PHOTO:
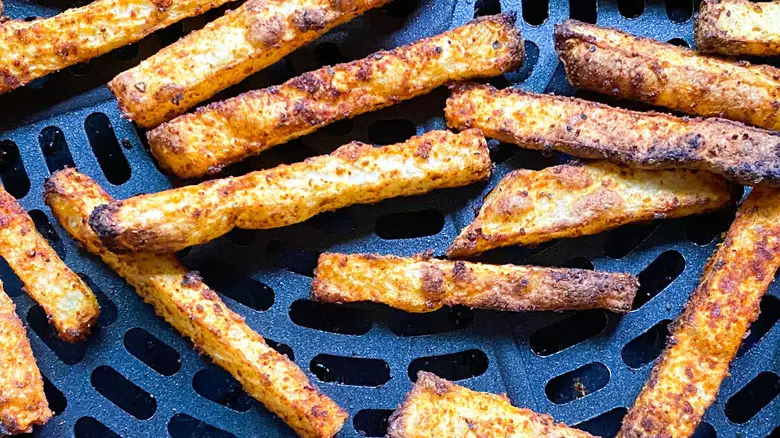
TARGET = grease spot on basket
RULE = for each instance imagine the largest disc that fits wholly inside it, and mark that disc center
(409, 224)
(658, 275)
(770, 313)
(453, 366)
(646, 347)
(334, 318)
(219, 386)
(604, 425)
(354, 371)
(418, 324)
(753, 397)
(68, 353)
(535, 12)
(372, 422)
(577, 383)
(55, 397)
(125, 394)
(12, 172)
(185, 426)
(568, 332)
(106, 148)
(153, 352)
(55, 149)
(89, 427)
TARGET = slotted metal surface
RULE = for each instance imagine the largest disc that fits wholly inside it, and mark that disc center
(182, 394)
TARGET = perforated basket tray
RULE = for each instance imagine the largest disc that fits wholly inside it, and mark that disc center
(138, 377)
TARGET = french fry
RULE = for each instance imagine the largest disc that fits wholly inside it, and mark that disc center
(32, 49)
(586, 129)
(738, 27)
(423, 284)
(68, 302)
(225, 132)
(356, 173)
(22, 401)
(619, 64)
(531, 207)
(706, 337)
(438, 408)
(224, 52)
(197, 312)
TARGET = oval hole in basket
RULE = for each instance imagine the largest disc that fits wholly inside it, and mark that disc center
(583, 10)
(334, 318)
(748, 401)
(705, 430)
(578, 263)
(679, 11)
(353, 371)
(606, 424)
(68, 353)
(679, 42)
(535, 12)
(328, 54)
(88, 427)
(292, 258)
(55, 149)
(340, 127)
(185, 426)
(384, 132)
(646, 347)
(220, 387)
(774, 434)
(281, 348)
(11, 282)
(239, 287)
(500, 152)
(402, 8)
(106, 148)
(44, 227)
(55, 397)
(631, 8)
(122, 392)
(568, 332)
(703, 229)
(409, 224)
(372, 422)
(622, 241)
(577, 383)
(486, 7)
(153, 352)
(770, 313)
(108, 310)
(658, 275)
(295, 151)
(418, 324)
(127, 53)
(12, 172)
(453, 366)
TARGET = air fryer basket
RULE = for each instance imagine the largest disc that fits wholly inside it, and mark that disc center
(136, 376)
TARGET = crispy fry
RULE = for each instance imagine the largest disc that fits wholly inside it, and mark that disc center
(32, 49)
(68, 302)
(706, 337)
(531, 207)
(586, 129)
(619, 64)
(424, 284)
(738, 27)
(356, 173)
(223, 53)
(22, 401)
(226, 132)
(438, 408)
(196, 311)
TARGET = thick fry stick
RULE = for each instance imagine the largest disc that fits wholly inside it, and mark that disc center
(423, 284)
(619, 64)
(31, 49)
(68, 302)
(706, 337)
(531, 207)
(226, 132)
(738, 27)
(356, 173)
(223, 53)
(22, 401)
(196, 311)
(586, 129)
(438, 408)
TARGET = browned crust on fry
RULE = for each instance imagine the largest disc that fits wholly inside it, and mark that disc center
(438, 408)
(68, 302)
(226, 132)
(738, 27)
(619, 64)
(22, 401)
(706, 337)
(356, 173)
(647, 140)
(197, 312)
(193, 69)
(423, 284)
(531, 207)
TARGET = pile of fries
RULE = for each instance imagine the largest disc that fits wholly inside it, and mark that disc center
(632, 167)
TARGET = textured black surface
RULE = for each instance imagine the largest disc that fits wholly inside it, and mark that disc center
(552, 363)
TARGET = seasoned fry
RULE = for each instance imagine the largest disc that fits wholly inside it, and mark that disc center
(424, 284)
(356, 173)
(531, 207)
(22, 401)
(223, 53)
(619, 64)
(586, 129)
(438, 408)
(32, 49)
(226, 132)
(197, 312)
(738, 27)
(706, 337)
(69, 303)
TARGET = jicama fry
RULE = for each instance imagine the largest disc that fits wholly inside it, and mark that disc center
(738, 27)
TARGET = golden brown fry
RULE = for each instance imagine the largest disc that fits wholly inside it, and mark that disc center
(356, 173)
(22, 401)
(68, 302)
(531, 207)
(586, 129)
(226, 132)
(706, 337)
(32, 49)
(622, 65)
(438, 408)
(424, 284)
(196, 311)
(223, 53)
(738, 27)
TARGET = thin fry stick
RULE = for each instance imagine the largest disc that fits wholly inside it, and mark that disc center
(738, 27)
